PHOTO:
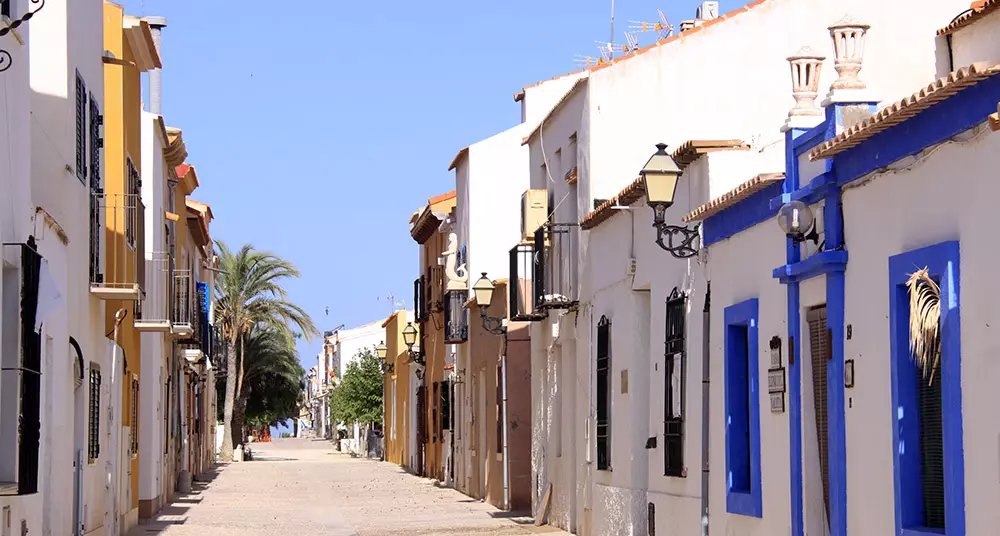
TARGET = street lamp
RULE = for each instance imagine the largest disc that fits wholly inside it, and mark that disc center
(659, 177)
(483, 291)
(382, 351)
(797, 221)
(410, 338)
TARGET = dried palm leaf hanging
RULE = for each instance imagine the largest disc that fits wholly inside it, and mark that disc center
(925, 322)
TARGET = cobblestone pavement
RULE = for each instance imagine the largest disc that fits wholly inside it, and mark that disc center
(301, 487)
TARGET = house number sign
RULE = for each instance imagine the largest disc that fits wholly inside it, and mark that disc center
(776, 377)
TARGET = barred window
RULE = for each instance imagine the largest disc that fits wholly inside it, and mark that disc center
(94, 408)
(132, 202)
(81, 129)
(96, 143)
(604, 394)
(674, 354)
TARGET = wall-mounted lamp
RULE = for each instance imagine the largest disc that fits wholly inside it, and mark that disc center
(483, 290)
(797, 221)
(420, 373)
(410, 338)
(659, 177)
(382, 351)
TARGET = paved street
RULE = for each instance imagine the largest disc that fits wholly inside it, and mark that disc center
(302, 487)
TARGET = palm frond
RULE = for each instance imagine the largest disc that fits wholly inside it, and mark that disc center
(925, 322)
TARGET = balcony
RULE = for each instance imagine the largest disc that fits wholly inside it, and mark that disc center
(184, 318)
(153, 310)
(456, 317)
(554, 257)
(120, 246)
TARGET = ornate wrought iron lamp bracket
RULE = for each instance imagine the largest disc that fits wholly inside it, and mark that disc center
(493, 325)
(5, 58)
(680, 241)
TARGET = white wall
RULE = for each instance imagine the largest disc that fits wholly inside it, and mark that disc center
(352, 341)
(539, 98)
(714, 85)
(954, 189)
(977, 42)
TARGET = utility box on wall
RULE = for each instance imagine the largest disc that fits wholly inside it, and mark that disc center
(534, 212)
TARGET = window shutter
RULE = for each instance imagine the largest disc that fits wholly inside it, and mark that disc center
(674, 370)
(421, 415)
(81, 129)
(446, 405)
(29, 430)
(931, 449)
(538, 269)
(603, 394)
(821, 352)
(134, 428)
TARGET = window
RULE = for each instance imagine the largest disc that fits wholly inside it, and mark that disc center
(446, 405)
(820, 350)
(456, 317)
(674, 377)
(421, 415)
(132, 203)
(81, 129)
(419, 290)
(20, 405)
(604, 394)
(742, 406)
(96, 143)
(929, 469)
(94, 409)
(166, 421)
(134, 425)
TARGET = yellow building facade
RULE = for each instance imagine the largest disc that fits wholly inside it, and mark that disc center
(396, 392)
(132, 52)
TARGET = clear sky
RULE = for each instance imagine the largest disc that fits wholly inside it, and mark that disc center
(318, 127)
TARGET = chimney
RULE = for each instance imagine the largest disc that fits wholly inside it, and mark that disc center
(156, 24)
(849, 47)
(806, 66)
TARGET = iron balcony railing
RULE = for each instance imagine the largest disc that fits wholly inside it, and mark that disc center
(456, 317)
(555, 265)
(184, 318)
(153, 311)
(118, 267)
(522, 290)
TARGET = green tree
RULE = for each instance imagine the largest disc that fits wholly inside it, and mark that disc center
(358, 397)
(250, 296)
(274, 380)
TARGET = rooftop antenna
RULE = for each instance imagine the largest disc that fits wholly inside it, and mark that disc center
(611, 39)
(663, 28)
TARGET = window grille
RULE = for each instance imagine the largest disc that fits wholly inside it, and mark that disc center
(94, 408)
(821, 353)
(81, 129)
(134, 425)
(456, 317)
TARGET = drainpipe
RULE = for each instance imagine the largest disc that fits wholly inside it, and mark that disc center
(116, 394)
(506, 454)
(156, 24)
(705, 383)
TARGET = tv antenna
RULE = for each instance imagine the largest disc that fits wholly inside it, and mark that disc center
(663, 29)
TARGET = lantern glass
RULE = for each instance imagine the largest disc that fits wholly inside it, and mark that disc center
(659, 176)
(381, 350)
(796, 219)
(410, 335)
(483, 290)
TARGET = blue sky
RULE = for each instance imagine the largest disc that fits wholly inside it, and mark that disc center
(318, 127)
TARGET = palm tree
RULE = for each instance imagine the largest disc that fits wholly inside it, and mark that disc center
(273, 375)
(249, 295)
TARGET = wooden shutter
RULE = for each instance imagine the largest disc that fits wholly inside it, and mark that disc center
(603, 394)
(96, 143)
(29, 429)
(81, 129)
(821, 353)
(674, 379)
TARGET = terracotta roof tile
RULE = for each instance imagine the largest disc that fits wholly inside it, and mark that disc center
(733, 196)
(645, 49)
(632, 193)
(976, 12)
(685, 155)
(443, 197)
(692, 150)
(905, 109)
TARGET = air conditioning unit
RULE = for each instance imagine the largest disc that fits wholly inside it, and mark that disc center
(534, 212)
(708, 10)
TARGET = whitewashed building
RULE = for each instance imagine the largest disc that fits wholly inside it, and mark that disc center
(633, 422)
